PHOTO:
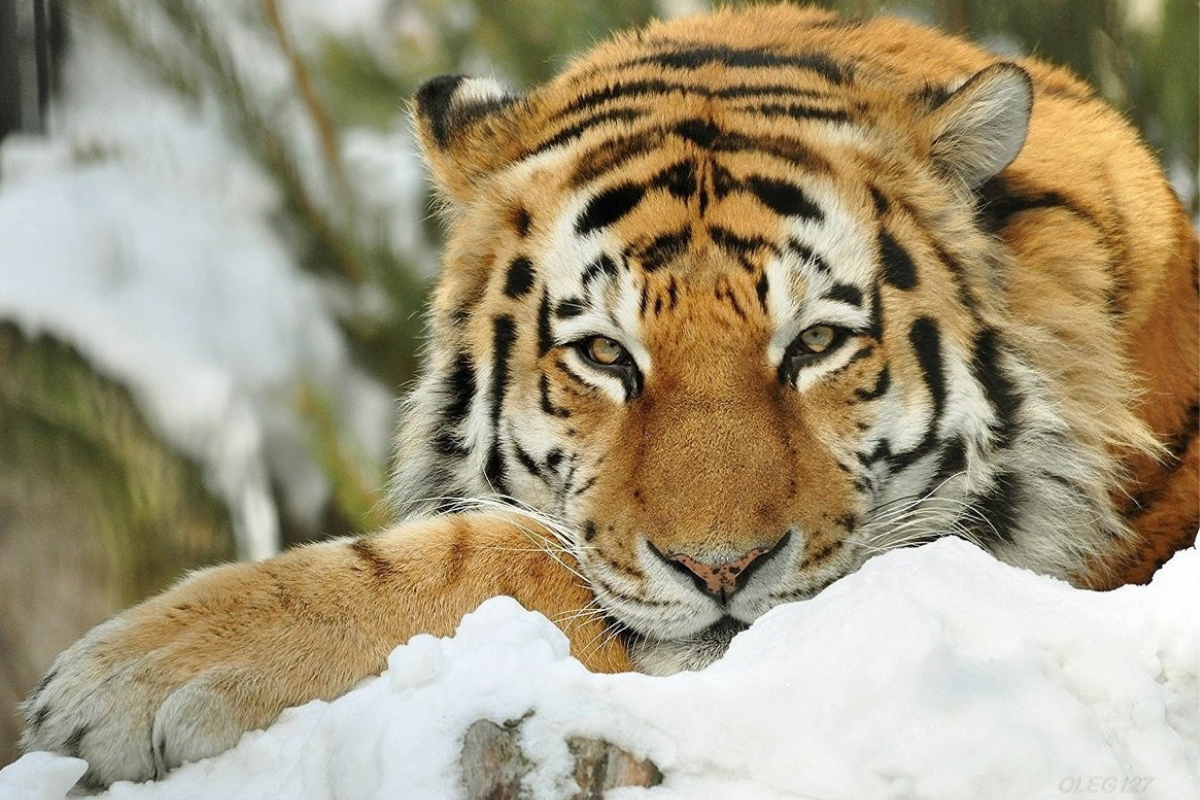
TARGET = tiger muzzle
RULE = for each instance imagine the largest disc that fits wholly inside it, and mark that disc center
(721, 580)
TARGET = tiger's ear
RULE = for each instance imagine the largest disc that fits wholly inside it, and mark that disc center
(980, 128)
(467, 129)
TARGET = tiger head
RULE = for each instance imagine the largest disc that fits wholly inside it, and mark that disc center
(727, 313)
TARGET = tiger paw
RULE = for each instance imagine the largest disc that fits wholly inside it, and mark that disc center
(133, 713)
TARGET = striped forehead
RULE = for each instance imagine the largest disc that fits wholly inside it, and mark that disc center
(682, 214)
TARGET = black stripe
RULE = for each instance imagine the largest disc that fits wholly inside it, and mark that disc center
(522, 221)
(926, 342)
(520, 277)
(448, 443)
(460, 387)
(680, 180)
(662, 249)
(741, 247)
(494, 471)
(997, 385)
(620, 90)
(698, 131)
(761, 288)
(859, 355)
(767, 90)
(528, 462)
(547, 404)
(875, 324)
(999, 507)
(460, 390)
(925, 339)
(41, 687)
(883, 382)
(587, 485)
(1002, 208)
(653, 89)
(608, 207)
(882, 451)
(898, 267)
(723, 182)
(38, 718)
(807, 254)
(797, 111)
(1178, 445)
(784, 198)
(966, 295)
(706, 134)
(504, 334)
(845, 293)
(604, 265)
(723, 292)
(998, 202)
(822, 554)
(951, 462)
(570, 307)
(690, 58)
(836, 22)
(73, 746)
(578, 129)
(880, 200)
(932, 96)
(612, 155)
(545, 339)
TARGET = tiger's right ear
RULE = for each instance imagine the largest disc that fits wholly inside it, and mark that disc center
(467, 129)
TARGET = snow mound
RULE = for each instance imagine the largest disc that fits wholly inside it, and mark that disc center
(931, 673)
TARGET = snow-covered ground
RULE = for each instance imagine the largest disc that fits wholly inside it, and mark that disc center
(932, 673)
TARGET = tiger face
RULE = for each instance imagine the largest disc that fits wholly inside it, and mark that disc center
(732, 316)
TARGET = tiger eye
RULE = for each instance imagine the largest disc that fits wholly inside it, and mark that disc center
(605, 351)
(818, 338)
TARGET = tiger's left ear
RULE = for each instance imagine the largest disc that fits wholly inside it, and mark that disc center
(467, 129)
(980, 128)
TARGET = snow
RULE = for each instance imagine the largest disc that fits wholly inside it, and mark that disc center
(935, 672)
(142, 234)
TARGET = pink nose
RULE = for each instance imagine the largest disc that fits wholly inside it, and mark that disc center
(724, 578)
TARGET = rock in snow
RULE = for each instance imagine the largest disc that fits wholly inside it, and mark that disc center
(935, 672)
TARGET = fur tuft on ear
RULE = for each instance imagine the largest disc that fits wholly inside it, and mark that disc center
(466, 128)
(981, 127)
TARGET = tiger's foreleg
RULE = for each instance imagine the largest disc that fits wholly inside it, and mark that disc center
(183, 675)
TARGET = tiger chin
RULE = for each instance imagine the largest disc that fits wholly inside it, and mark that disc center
(731, 305)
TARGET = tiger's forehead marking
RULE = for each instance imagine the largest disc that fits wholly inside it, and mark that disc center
(617, 254)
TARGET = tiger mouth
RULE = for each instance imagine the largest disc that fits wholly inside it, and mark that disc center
(696, 651)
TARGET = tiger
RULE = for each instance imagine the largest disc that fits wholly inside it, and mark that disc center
(732, 304)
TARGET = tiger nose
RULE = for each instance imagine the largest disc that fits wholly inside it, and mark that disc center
(722, 579)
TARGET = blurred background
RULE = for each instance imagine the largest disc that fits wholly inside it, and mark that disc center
(215, 246)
